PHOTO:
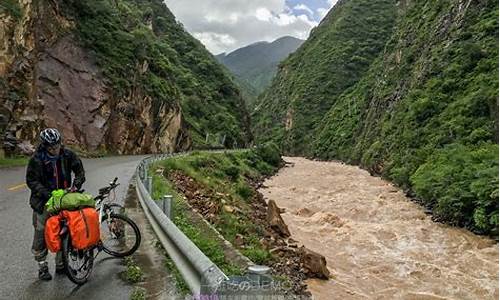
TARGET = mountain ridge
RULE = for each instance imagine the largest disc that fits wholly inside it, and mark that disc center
(256, 64)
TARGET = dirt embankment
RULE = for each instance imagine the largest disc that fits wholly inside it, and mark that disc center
(377, 243)
(288, 259)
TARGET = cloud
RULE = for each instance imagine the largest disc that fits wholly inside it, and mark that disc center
(212, 40)
(304, 8)
(225, 25)
(322, 12)
(331, 3)
(263, 14)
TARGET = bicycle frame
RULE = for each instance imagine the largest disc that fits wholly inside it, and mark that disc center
(101, 209)
(104, 208)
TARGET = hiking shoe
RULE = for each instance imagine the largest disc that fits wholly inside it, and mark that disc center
(60, 269)
(43, 273)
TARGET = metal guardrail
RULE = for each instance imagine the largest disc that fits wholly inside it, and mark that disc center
(199, 272)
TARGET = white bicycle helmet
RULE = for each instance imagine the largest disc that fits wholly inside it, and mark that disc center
(50, 137)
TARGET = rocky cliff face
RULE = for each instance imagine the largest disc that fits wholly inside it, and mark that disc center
(51, 81)
(50, 77)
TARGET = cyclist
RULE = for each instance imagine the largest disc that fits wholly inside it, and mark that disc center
(49, 169)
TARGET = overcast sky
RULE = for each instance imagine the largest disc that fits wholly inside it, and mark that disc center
(225, 25)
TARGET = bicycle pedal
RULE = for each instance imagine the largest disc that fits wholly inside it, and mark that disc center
(100, 246)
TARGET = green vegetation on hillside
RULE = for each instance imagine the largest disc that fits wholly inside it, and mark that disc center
(423, 113)
(203, 240)
(142, 49)
(12, 8)
(336, 55)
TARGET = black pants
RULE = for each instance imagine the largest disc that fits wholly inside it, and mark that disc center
(39, 248)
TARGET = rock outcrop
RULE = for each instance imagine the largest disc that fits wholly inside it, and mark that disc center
(51, 76)
(50, 81)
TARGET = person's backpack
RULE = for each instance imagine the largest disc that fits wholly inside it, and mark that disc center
(62, 200)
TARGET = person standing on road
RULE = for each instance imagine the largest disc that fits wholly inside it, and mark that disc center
(49, 169)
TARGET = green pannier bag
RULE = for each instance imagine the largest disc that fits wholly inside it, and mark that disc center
(62, 200)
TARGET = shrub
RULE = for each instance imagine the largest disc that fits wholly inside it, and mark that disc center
(270, 153)
(11, 7)
(256, 255)
(461, 183)
(233, 172)
(244, 191)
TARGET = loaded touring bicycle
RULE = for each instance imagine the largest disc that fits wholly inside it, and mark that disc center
(83, 231)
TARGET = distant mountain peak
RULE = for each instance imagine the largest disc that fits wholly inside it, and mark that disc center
(256, 64)
(287, 37)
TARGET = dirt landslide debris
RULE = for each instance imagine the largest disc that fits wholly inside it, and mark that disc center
(298, 264)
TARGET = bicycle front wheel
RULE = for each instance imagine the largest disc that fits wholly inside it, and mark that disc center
(78, 263)
(120, 236)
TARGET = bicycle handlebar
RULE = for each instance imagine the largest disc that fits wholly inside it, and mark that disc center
(112, 185)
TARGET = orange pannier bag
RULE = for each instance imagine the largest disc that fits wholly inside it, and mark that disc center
(52, 228)
(83, 227)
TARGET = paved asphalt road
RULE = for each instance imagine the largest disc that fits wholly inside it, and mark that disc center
(19, 271)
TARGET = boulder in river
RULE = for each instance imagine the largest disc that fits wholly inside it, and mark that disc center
(314, 263)
(275, 220)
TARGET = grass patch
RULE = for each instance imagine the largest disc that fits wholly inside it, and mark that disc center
(133, 274)
(207, 245)
(13, 162)
(138, 294)
(284, 281)
(12, 8)
(180, 283)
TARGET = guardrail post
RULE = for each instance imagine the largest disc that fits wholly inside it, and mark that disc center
(150, 185)
(167, 206)
(258, 273)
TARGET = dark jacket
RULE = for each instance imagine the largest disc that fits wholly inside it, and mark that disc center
(40, 175)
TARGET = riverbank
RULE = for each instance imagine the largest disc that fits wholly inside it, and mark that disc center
(221, 187)
(378, 244)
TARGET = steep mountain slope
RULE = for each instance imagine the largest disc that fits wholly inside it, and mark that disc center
(424, 111)
(115, 76)
(338, 52)
(256, 64)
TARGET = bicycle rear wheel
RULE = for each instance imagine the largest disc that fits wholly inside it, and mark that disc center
(117, 208)
(78, 263)
(120, 236)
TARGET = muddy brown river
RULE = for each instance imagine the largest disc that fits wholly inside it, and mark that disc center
(377, 243)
